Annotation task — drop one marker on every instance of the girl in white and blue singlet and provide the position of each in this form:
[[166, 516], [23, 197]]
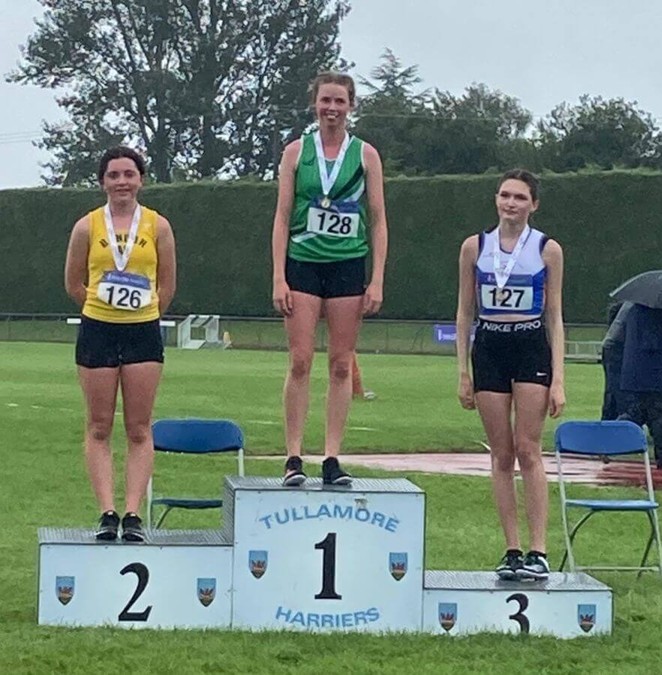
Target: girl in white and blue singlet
[[513, 275]]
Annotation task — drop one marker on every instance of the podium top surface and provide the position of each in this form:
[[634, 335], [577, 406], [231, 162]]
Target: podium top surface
[[68, 535], [359, 485], [488, 581]]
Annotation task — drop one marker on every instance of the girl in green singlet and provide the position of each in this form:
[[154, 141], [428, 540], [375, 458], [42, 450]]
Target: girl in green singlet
[[330, 216]]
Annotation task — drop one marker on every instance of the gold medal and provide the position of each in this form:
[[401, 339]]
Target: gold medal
[[500, 295], [326, 202]]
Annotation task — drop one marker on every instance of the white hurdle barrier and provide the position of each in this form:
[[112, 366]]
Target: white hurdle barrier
[[164, 323], [209, 322]]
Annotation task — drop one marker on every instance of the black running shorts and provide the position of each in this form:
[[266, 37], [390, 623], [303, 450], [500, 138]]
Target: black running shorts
[[338, 279], [507, 352], [102, 344]]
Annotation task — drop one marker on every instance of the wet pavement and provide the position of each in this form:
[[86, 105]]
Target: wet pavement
[[478, 464]]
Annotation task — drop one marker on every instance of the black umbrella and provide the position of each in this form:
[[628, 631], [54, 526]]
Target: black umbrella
[[644, 289]]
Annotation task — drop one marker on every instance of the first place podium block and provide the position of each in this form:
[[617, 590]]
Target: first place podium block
[[326, 558], [177, 578]]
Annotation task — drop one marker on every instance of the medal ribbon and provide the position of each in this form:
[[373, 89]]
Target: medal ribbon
[[121, 258], [502, 275], [326, 179]]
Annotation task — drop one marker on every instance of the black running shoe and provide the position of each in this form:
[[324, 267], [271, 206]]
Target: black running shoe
[[294, 475], [109, 524], [332, 474], [132, 528], [511, 562], [534, 568]]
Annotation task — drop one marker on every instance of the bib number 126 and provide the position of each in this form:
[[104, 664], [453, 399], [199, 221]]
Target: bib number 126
[[123, 297]]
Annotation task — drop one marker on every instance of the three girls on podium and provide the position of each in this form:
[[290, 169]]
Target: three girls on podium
[[121, 271]]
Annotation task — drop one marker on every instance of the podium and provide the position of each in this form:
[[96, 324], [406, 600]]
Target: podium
[[320, 558], [565, 605], [177, 578], [314, 558]]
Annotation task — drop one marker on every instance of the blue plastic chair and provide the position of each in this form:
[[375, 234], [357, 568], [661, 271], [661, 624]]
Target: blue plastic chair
[[606, 438], [194, 437]]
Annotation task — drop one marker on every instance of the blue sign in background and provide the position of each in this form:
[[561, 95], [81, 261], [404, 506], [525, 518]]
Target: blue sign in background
[[446, 333]]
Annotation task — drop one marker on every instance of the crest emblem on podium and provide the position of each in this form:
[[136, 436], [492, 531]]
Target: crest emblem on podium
[[257, 563], [586, 617], [206, 591], [397, 565], [447, 615], [64, 589]]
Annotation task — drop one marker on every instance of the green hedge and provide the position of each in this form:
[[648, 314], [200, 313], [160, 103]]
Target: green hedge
[[607, 224]]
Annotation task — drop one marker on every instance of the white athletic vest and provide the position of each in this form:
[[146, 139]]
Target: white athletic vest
[[524, 292]]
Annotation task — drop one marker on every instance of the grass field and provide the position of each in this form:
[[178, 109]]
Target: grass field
[[44, 483]]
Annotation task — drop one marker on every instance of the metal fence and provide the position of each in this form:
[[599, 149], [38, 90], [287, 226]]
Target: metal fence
[[377, 335]]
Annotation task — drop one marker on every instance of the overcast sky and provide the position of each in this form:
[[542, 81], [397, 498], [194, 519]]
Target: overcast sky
[[541, 51]]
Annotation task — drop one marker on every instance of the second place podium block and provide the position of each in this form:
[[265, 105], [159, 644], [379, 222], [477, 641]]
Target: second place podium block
[[176, 579]]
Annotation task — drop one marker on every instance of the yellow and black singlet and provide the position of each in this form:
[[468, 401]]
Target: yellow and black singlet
[[121, 284]]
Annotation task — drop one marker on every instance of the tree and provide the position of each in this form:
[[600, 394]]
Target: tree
[[476, 131], [389, 112], [419, 133], [598, 132], [207, 87]]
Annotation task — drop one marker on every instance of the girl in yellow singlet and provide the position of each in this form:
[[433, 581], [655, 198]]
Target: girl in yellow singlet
[[120, 270]]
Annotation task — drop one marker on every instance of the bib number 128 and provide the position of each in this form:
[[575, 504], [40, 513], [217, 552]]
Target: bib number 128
[[332, 223]]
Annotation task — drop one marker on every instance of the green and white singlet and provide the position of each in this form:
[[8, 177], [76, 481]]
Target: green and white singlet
[[329, 225]]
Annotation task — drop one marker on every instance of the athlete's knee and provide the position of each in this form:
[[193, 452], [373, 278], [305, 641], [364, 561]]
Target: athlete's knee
[[528, 453], [503, 462], [340, 367], [99, 428], [300, 365], [138, 433]]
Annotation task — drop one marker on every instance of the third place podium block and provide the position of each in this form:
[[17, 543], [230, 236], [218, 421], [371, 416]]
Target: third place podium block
[[565, 605], [325, 558]]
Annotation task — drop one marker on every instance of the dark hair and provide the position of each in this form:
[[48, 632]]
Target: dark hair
[[331, 77], [526, 177], [118, 152]]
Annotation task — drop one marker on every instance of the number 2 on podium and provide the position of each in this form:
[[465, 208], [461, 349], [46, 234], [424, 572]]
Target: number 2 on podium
[[142, 573]]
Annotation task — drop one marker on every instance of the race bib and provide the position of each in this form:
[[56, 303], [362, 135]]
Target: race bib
[[124, 290], [507, 299], [338, 219]]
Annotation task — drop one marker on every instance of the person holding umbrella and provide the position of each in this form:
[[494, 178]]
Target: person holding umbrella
[[615, 401], [641, 372]]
